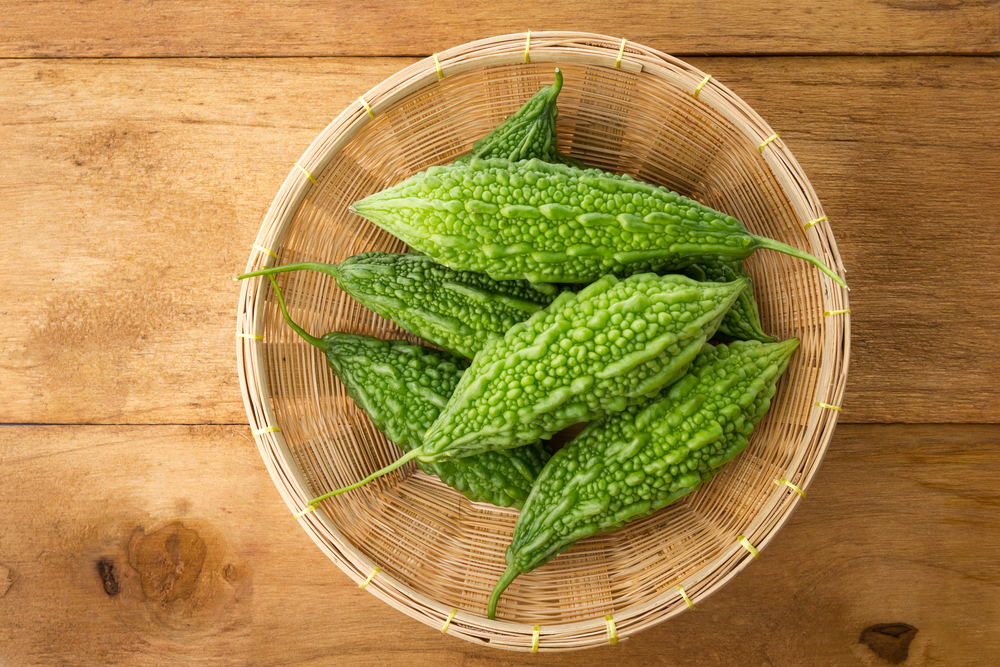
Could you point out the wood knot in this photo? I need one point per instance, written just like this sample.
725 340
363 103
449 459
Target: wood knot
106 571
169 561
233 574
179 578
889 641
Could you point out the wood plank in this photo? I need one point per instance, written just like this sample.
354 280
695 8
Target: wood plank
133 190
169 545
84 28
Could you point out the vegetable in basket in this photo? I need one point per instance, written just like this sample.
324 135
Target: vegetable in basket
630 464
530 132
553 223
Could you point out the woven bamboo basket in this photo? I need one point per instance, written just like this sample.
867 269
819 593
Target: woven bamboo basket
417 544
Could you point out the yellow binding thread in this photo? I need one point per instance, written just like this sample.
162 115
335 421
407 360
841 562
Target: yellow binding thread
303 170
367 108
534 640
369 579
309 508
263 249
254 336
267 429
527 48
437 63
828 406
813 222
791 486
749 547
701 85
837 312
444 628
685 596
760 149
612 631
621 52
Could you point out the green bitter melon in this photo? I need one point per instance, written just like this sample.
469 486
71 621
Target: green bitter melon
628 465
552 223
457 310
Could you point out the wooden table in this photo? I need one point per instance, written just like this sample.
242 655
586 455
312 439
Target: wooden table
140 146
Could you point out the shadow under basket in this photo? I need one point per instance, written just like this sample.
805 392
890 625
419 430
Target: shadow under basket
434 554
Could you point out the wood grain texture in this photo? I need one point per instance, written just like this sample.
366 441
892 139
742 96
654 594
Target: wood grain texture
139 190
169 545
133 190
104 28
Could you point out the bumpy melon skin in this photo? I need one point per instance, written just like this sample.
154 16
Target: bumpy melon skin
551 222
529 133
742 322
584 356
457 310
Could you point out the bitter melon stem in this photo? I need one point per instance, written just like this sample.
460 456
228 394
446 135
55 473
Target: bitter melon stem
509 575
328 269
318 342
556 86
771 244
412 454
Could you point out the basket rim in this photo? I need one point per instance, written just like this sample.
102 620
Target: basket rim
559 47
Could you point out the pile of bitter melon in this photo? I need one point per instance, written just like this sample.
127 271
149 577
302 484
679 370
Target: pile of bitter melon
508 235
